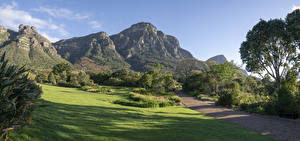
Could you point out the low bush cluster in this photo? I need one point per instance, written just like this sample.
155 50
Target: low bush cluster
148 101
96 89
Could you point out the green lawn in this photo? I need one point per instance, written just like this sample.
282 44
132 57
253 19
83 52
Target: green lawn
70 114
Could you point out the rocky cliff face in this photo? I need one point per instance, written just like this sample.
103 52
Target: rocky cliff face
142 45
27 47
94 52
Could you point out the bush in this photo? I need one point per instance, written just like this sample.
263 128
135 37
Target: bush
141 91
287 106
17 95
51 78
225 99
270 108
167 103
228 95
96 89
148 104
176 99
148 101
42 77
114 82
66 84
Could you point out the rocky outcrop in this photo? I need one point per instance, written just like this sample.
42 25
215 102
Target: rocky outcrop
94 52
27 47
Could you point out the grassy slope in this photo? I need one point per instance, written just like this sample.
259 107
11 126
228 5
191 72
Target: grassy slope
71 114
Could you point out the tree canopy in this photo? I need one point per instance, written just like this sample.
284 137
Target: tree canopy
271 47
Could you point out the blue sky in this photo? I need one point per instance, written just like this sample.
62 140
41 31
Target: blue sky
204 27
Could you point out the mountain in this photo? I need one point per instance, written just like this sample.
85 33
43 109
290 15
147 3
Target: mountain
94 52
142 45
220 59
27 47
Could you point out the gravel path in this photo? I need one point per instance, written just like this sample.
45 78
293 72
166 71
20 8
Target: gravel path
278 128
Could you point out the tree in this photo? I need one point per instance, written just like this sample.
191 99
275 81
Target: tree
271 48
146 81
51 78
223 72
17 95
59 68
185 68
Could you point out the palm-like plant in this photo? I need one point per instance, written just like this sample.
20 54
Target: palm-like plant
17 94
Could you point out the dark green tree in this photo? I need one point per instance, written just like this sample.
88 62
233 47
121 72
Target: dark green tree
51 78
17 95
60 68
271 47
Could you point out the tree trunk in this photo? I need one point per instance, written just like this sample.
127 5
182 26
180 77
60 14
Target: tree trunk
277 81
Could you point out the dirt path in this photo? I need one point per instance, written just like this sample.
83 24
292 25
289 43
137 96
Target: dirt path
278 128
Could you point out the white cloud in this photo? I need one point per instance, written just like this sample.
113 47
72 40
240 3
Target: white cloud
50 38
61 13
95 25
12 17
295 7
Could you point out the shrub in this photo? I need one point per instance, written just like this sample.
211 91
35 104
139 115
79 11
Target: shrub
66 84
17 95
176 99
228 95
225 99
148 104
101 77
287 96
42 77
114 82
167 103
287 106
141 91
270 108
51 78
148 101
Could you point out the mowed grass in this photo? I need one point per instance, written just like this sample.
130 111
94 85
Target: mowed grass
66 114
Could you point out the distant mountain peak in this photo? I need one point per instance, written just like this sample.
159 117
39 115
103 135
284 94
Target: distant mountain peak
220 59
141 27
142 45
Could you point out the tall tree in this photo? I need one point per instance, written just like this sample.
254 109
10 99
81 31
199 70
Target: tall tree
270 48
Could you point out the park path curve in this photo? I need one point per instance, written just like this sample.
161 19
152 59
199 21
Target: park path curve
278 128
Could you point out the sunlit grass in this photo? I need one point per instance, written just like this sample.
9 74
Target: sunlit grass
66 114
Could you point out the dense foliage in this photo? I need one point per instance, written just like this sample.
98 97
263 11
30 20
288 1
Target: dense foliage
271 47
157 80
17 95
62 75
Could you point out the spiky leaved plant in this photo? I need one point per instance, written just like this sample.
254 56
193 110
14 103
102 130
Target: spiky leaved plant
17 95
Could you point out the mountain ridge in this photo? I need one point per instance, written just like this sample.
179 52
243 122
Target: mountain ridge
27 47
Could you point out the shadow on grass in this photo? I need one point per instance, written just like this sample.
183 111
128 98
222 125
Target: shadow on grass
62 122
